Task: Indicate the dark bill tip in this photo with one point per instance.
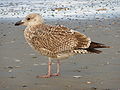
(19, 23)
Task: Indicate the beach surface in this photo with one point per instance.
(20, 64)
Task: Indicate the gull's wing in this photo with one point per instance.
(58, 39)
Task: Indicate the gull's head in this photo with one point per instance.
(30, 20)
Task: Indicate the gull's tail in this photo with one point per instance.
(94, 45)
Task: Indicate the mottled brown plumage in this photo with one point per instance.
(56, 41)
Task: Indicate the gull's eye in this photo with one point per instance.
(28, 18)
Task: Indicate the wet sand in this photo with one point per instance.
(20, 64)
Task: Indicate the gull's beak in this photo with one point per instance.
(19, 23)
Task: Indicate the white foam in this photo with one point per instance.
(82, 9)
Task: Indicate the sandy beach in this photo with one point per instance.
(20, 64)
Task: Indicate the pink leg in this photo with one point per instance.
(49, 70)
(58, 69)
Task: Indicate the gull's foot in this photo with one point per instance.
(44, 76)
(55, 74)
(48, 76)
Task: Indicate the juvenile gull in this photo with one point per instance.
(56, 42)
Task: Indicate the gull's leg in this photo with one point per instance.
(49, 70)
(58, 69)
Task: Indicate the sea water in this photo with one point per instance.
(61, 9)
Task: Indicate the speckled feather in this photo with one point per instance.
(54, 41)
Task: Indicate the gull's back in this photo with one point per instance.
(55, 41)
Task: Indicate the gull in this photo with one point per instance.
(56, 42)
